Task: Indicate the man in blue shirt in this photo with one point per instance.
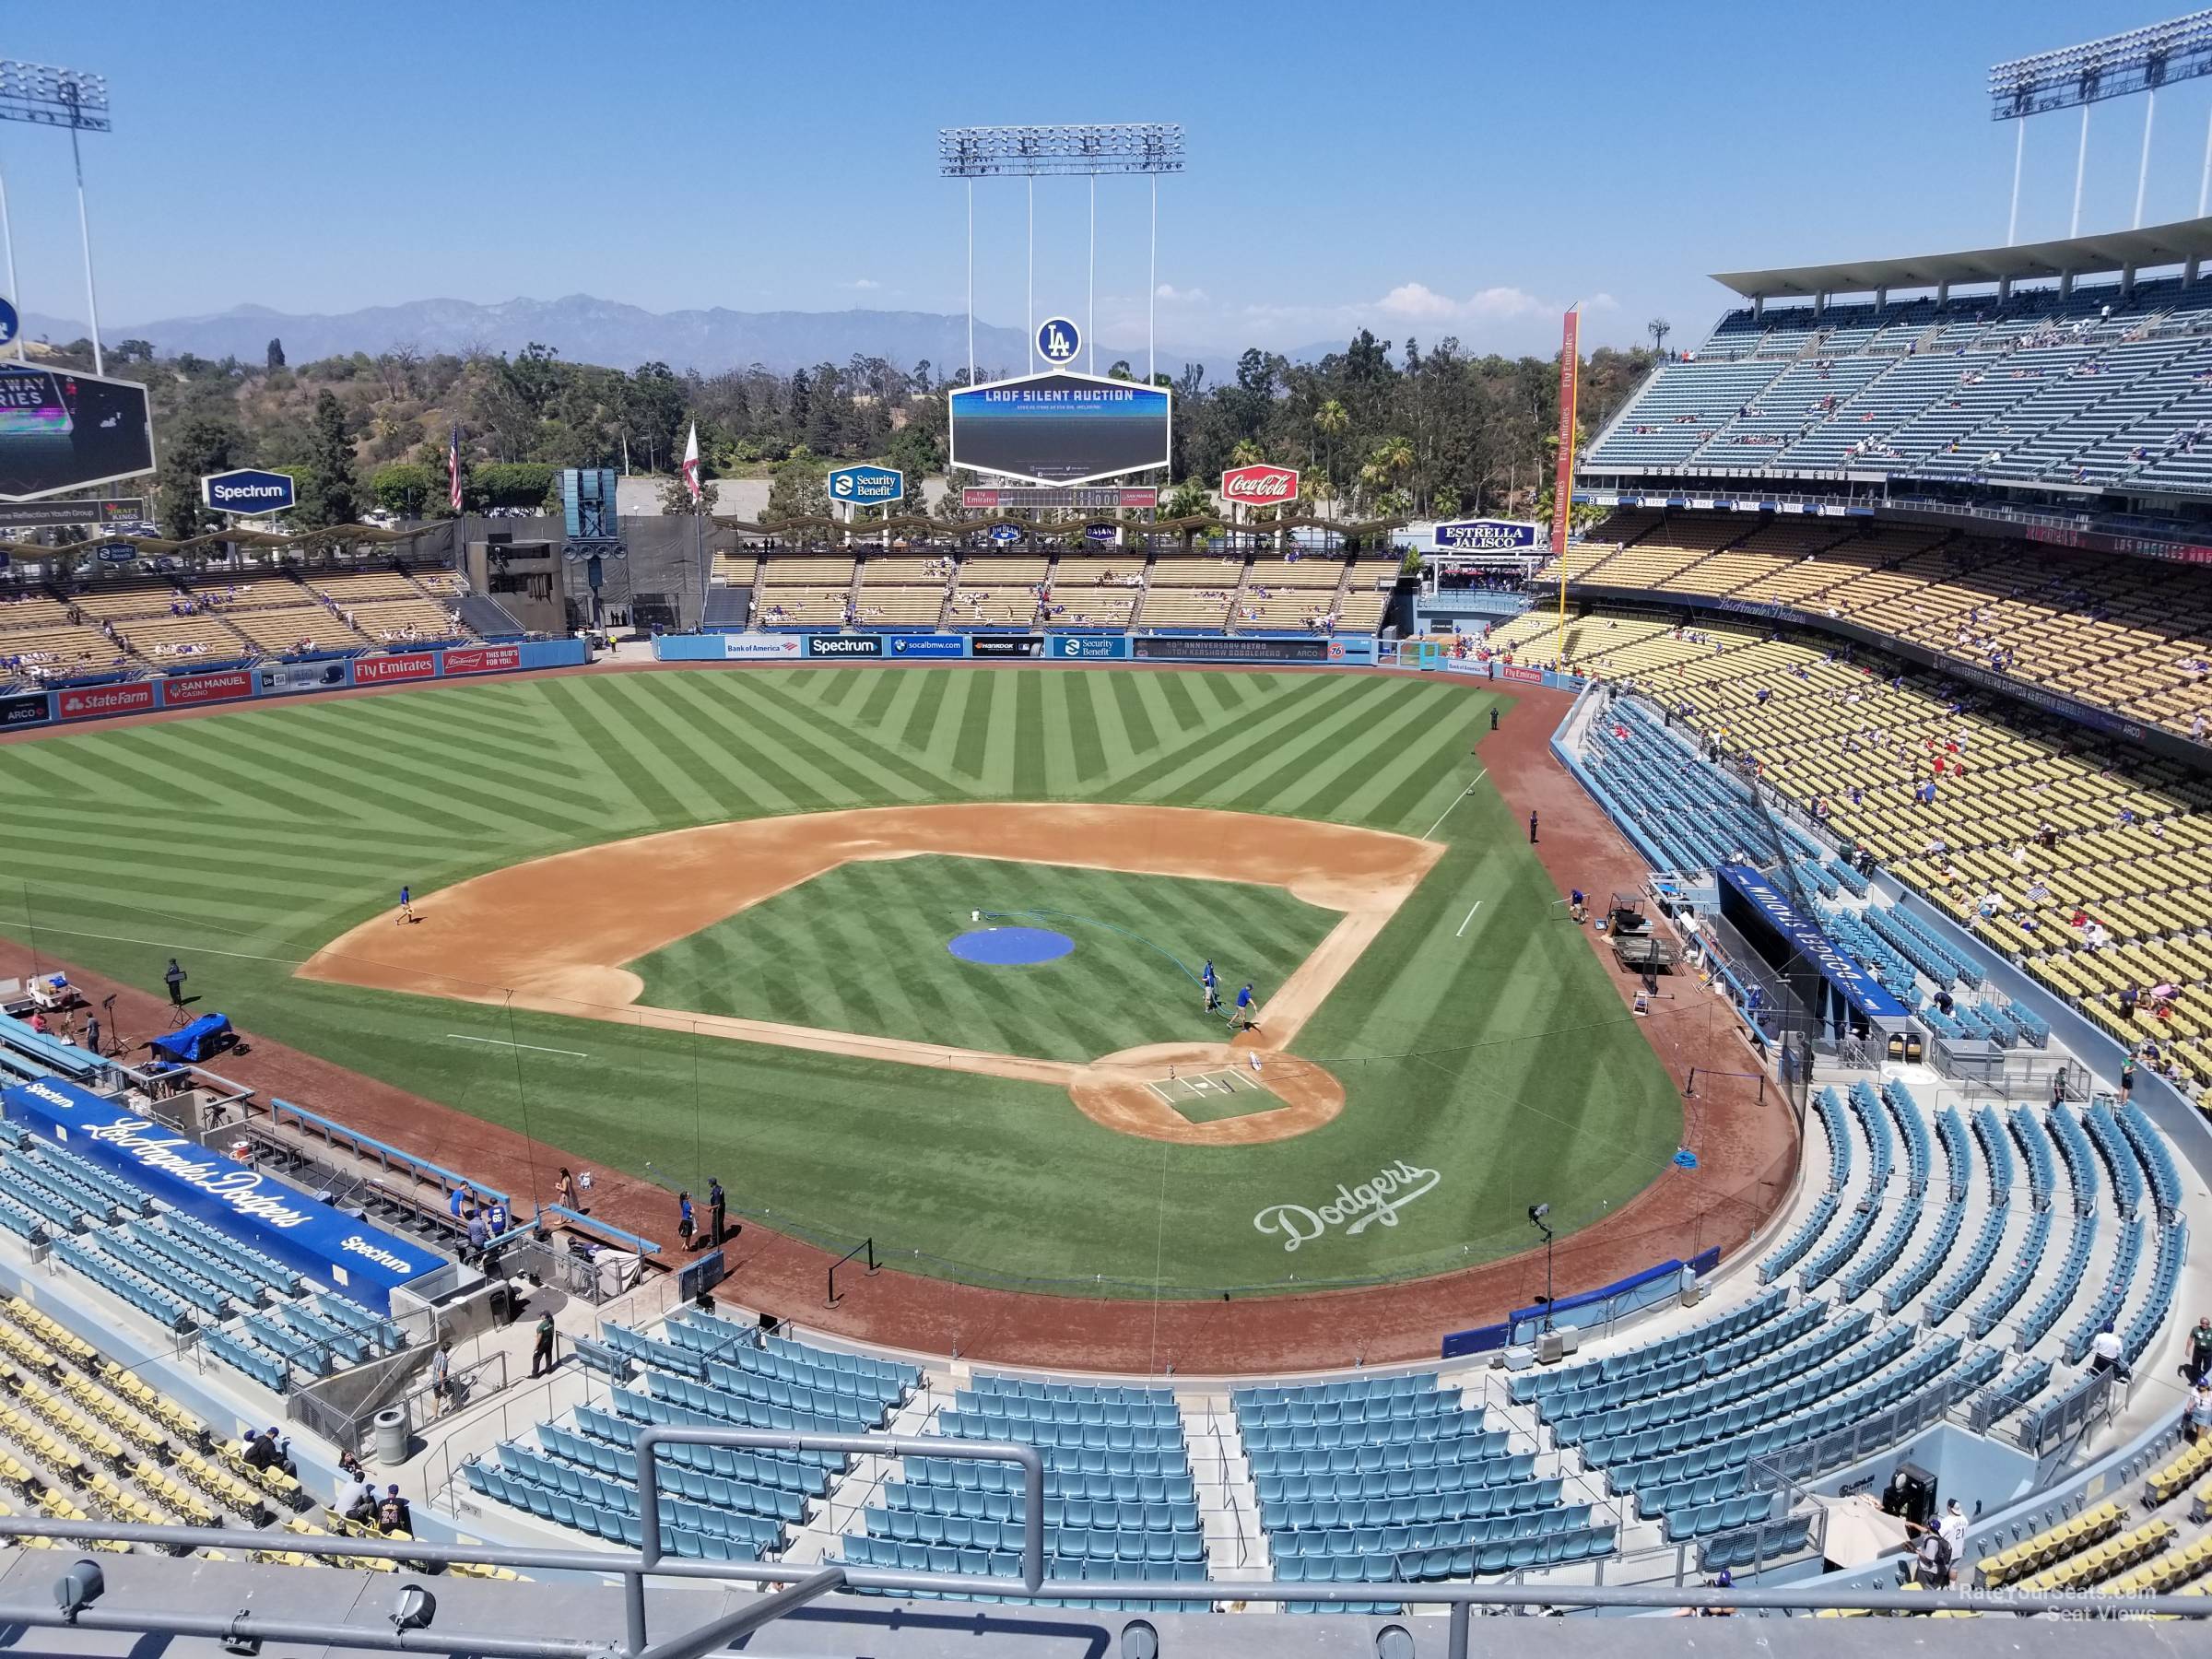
(1210, 989)
(1247, 1010)
(406, 906)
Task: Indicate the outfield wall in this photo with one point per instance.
(831, 646)
(72, 705)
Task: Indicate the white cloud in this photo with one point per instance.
(1175, 296)
(861, 284)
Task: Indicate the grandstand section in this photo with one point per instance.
(2064, 370)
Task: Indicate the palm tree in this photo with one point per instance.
(1330, 421)
(1392, 459)
(1246, 454)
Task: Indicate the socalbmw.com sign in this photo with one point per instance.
(1487, 535)
(867, 485)
(248, 489)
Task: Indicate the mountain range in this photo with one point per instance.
(588, 330)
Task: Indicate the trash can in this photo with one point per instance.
(392, 1435)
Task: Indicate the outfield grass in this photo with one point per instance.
(1494, 1050)
(863, 947)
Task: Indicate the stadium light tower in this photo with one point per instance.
(2118, 65)
(1033, 152)
(45, 96)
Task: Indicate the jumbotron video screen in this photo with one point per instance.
(1059, 428)
(63, 430)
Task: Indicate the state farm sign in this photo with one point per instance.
(1260, 485)
(90, 701)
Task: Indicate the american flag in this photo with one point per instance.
(452, 471)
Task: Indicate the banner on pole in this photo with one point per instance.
(1562, 488)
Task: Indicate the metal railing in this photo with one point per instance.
(1458, 1600)
(867, 1246)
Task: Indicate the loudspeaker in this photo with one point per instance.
(769, 1324)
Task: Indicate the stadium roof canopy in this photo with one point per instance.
(2179, 243)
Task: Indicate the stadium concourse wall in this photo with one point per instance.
(72, 705)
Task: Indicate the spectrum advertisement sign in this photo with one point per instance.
(364, 1261)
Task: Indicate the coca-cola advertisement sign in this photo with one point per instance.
(85, 702)
(181, 689)
(378, 671)
(1260, 485)
(482, 659)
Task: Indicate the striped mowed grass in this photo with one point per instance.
(1500, 1055)
(865, 948)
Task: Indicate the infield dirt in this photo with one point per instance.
(552, 933)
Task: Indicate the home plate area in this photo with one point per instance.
(1204, 1097)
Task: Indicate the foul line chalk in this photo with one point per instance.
(1470, 916)
(1456, 799)
(533, 1047)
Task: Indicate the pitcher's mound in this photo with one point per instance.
(1171, 1091)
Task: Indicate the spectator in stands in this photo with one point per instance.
(684, 1223)
(478, 1236)
(541, 1351)
(267, 1450)
(441, 1379)
(2129, 996)
(392, 1515)
(2199, 1366)
(2105, 1350)
(1931, 1557)
(2128, 1076)
(2197, 1423)
(463, 1203)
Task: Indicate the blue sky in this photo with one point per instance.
(1424, 169)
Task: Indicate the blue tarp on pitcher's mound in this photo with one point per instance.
(1010, 947)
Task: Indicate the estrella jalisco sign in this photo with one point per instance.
(1487, 535)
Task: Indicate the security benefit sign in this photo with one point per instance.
(63, 430)
(317, 1239)
(1059, 428)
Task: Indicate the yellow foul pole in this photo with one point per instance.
(1562, 486)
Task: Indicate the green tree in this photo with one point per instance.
(796, 489)
(331, 495)
(676, 497)
(195, 446)
(273, 356)
(403, 487)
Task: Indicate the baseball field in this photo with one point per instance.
(912, 954)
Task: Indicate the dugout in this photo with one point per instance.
(1805, 982)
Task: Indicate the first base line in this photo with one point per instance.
(534, 1048)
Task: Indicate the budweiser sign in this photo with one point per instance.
(1260, 485)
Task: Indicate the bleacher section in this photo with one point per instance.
(798, 592)
(994, 590)
(899, 591)
(1095, 591)
(1189, 592)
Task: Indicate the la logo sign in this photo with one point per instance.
(1260, 485)
(247, 490)
(1059, 341)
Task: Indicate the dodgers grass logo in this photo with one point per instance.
(1391, 1189)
